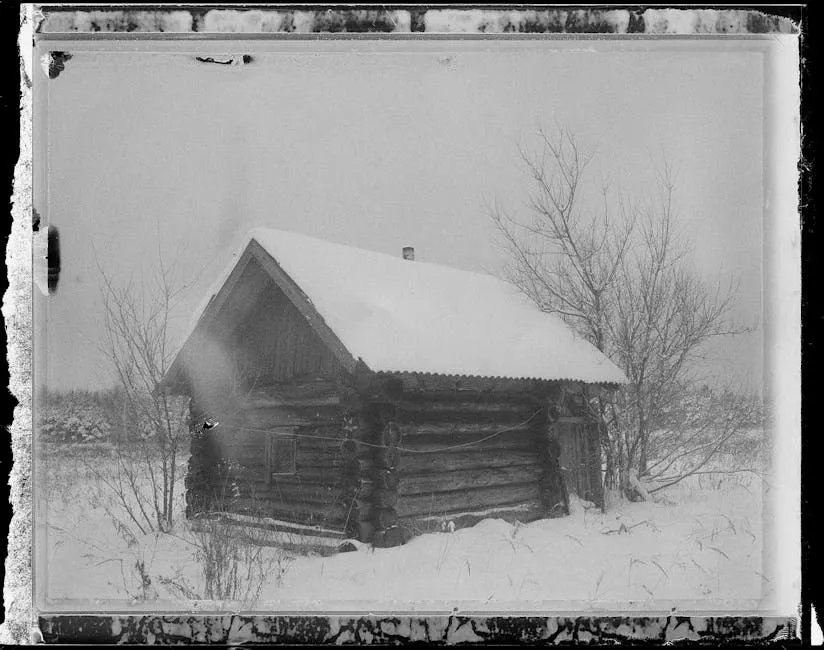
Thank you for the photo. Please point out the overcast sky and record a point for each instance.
(382, 146)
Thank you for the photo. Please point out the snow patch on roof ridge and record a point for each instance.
(262, 235)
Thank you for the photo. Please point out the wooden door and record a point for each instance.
(580, 458)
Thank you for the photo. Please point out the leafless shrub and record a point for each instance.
(126, 479)
(136, 342)
(135, 572)
(234, 565)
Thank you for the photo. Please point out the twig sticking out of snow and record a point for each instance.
(623, 528)
(596, 591)
(575, 539)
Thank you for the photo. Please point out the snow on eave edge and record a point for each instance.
(453, 376)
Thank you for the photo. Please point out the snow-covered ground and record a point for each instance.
(697, 546)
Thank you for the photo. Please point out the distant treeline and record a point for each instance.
(107, 414)
(692, 406)
(89, 416)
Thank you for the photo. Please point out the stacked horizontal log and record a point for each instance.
(469, 455)
(381, 465)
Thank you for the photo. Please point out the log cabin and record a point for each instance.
(348, 394)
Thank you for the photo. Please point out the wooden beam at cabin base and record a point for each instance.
(523, 513)
(275, 526)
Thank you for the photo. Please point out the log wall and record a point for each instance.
(228, 470)
(382, 466)
(468, 455)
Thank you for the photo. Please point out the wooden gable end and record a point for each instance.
(275, 343)
(259, 326)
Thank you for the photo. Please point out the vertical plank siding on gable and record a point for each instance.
(277, 343)
(303, 305)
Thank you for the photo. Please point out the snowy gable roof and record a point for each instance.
(406, 316)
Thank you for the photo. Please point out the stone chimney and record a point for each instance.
(409, 253)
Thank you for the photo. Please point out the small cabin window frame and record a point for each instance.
(276, 442)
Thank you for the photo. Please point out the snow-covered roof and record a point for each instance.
(398, 315)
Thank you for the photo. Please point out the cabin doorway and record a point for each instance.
(580, 458)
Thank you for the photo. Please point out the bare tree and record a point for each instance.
(619, 274)
(136, 342)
